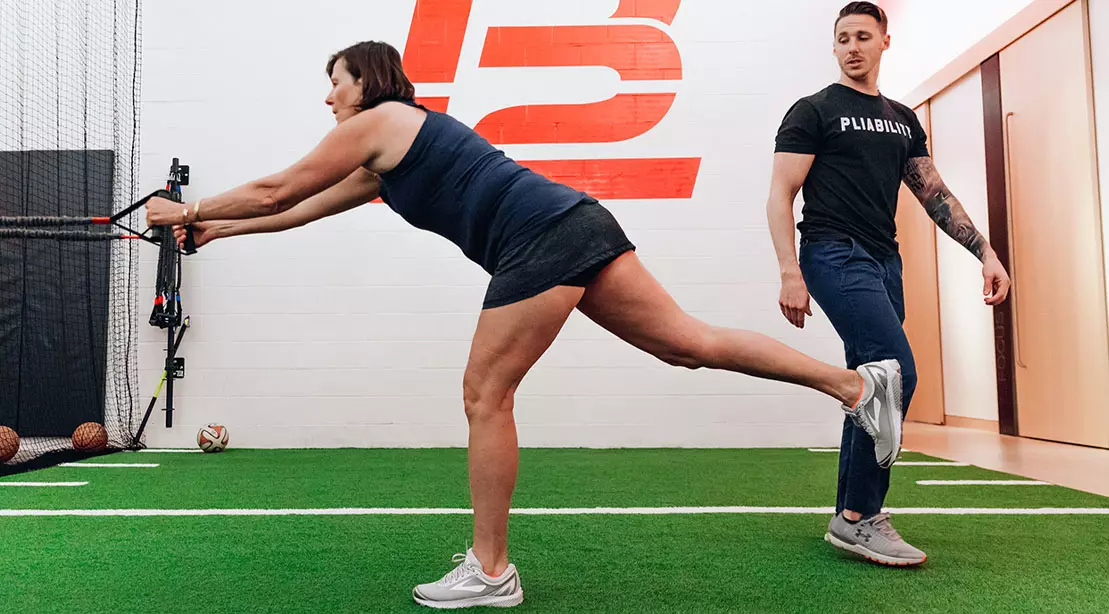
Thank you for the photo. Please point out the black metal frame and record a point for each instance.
(169, 316)
(168, 375)
(167, 313)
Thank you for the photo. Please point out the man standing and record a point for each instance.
(849, 148)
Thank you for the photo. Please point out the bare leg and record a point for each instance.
(627, 300)
(506, 344)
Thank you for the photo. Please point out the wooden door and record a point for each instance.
(1059, 306)
(916, 234)
(958, 145)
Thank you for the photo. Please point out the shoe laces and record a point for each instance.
(881, 524)
(464, 569)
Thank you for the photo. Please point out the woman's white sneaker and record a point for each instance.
(468, 585)
(878, 411)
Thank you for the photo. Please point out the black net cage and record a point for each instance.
(69, 303)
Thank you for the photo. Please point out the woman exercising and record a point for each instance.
(548, 248)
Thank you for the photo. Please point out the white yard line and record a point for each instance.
(43, 484)
(564, 511)
(982, 483)
(108, 465)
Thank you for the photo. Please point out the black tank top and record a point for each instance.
(456, 184)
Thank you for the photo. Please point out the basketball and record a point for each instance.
(9, 444)
(212, 438)
(90, 437)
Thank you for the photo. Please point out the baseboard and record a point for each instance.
(972, 423)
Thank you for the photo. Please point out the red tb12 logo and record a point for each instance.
(637, 52)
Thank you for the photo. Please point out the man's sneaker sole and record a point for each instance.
(504, 601)
(872, 556)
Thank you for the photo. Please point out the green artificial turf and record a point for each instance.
(611, 563)
(548, 478)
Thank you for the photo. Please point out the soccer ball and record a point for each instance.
(212, 438)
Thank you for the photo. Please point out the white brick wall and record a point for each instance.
(297, 341)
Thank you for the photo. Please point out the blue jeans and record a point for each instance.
(862, 295)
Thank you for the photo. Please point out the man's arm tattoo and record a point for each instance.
(924, 181)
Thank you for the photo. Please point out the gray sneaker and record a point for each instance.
(468, 585)
(878, 411)
(874, 538)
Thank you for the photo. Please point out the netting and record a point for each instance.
(69, 116)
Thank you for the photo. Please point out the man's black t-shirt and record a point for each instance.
(861, 143)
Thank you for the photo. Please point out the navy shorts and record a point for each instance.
(573, 249)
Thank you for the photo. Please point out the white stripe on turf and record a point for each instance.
(43, 483)
(930, 464)
(108, 465)
(837, 450)
(982, 483)
(584, 511)
(161, 450)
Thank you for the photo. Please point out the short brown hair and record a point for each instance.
(865, 8)
(379, 67)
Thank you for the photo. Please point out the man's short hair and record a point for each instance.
(864, 8)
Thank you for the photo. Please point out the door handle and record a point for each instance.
(1010, 220)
